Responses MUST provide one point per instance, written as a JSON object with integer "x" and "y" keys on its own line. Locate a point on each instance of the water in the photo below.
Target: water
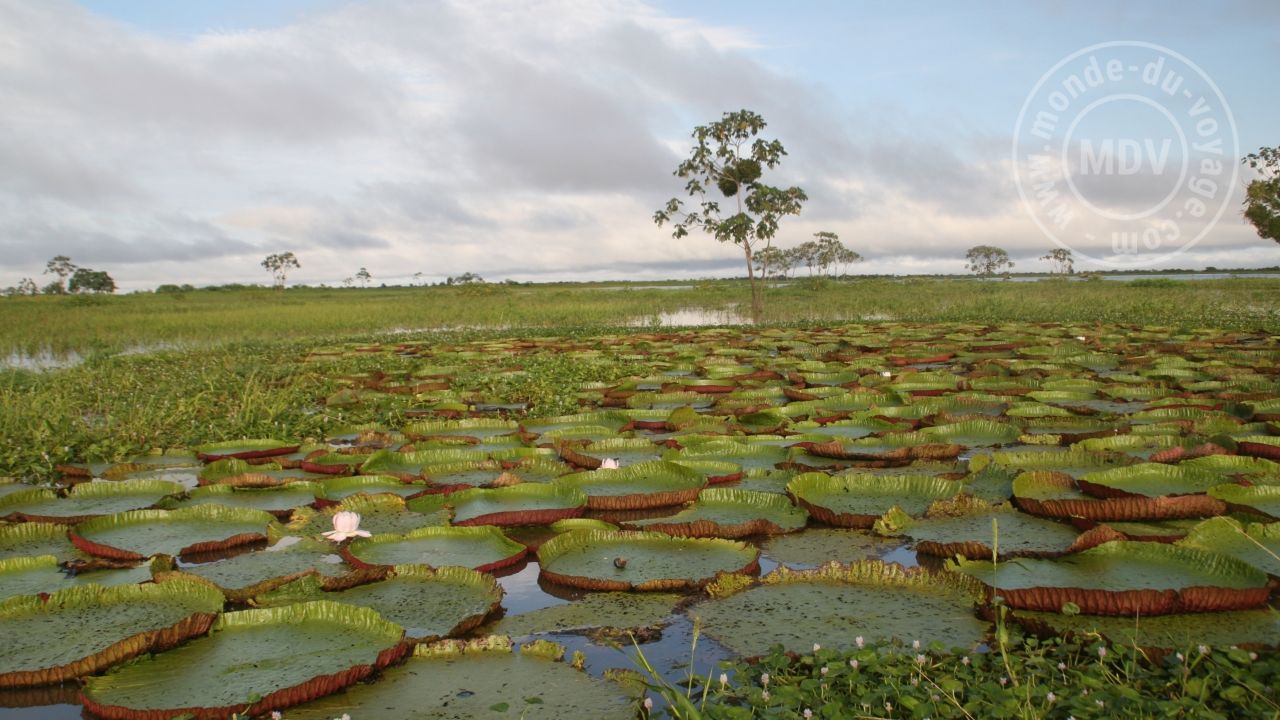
{"x": 45, "y": 359}
{"x": 692, "y": 317}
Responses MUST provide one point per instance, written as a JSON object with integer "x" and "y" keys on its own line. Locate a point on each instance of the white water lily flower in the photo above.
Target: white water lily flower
{"x": 609, "y": 464}
{"x": 346, "y": 524}
{"x": 885, "y": 373}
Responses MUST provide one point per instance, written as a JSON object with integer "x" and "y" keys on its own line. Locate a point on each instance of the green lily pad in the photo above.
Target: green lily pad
{"x": 312, "y": 649}
{"x": 31, "y": 538}
{"x": 499, "y": 684}
{"x": 648, "y": 561}
{"x": 614, "y": 611}
{"x": 1264, "y": 499}
{"x": 1126, "y": 578}
{"x": 1254, "y": 543}
{"x": 428, "y": 603}
{"x": 972, "y": 534}
{"x": 482, "y": 548}
{"x": 856, "y": 500}
{"x": 468, "y": 427}
{"x": 279, "y": 500}
{"x": 88, "y": 500}
{"x": 379, "y": 514}
{"x": 243, "y": 449}
{"x": 523, "y": 504}
{"x": 729, "y": 513}
{"x": 1185, "y": 633}
{"x": 974, "y": 433}
{"x": 636, "y": 487}
{"x": 797, "y": 609}
{"x": 245, "y": 575}
{"x": 82, "y": 630}
{"x": 138, "y": 534}
{"x": 1149, "y": 480}
{"x": 1057, "y": 495}
{"x": 819, "y": 546}
{"x": 42, "y": 574}
{"x": 340, "y": 487}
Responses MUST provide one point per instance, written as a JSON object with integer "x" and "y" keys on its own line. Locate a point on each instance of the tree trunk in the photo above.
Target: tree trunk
{"x": 757, "y": 300}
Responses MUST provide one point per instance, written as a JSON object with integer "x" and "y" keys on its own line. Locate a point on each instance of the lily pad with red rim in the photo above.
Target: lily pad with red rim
{"x": 636, "y": 487}
{"x": 647, "y": 561}
{"x": 515, "y": 505}
{"x": 483, "y": 549}
{"x": 139, "y": 534}
{"x": 312, "y": 649}
{"x": 729, "y": 513}
{"x": 87, "y": 500}
{"x": 244, "y": 449}
{"x": 857, "y": 500}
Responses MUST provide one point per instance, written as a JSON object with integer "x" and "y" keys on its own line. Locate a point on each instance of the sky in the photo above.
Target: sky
{"x": 183, "y": 142}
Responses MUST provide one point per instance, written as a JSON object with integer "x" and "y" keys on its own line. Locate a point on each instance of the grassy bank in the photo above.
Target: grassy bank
{"x": 60, "y": 325}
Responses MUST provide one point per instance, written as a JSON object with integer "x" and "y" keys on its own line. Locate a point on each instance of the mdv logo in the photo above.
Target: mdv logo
{"x": 1124, "y": 156}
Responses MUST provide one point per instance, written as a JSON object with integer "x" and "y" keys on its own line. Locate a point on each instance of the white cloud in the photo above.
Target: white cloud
{"x": 523, "y": 140}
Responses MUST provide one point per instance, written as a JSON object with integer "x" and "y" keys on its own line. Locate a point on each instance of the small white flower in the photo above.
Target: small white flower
{"x": 816, "y": 647}
{"x": 346, "y": 524}
{"x": 1004, "y": 681}
{"x": 648, "y": 703}
{"x": 1253, "y": 656}
{"x": 1081, "y": 338}
{"x": 609, "y": 464}
{"x": 808, "y": 713}
{"x": 765, "y": 696}
{"x": 1062, "y": 666}
{"x": 1100, "y": 703}
{"x": 764, "y": 679}
{"x": 858, "y": 641}
{"x": 276, "y": 715}
{"x": 1102, "y": 652}
{"x": 915, "y": 644}
{"x": 885, "y": 373}
{"x": 888, "y": 707}
{"x": 724, "y": 680}
{"x": 1051, "y": 697}
{"x": 853, "y": 664}
{"x": 1204, "y": 649}
{"x": 964, "y": 660}
{"x": 824, "y": 670}
{"x": 1179, "y": 656}
{"x": 920, "y": 659}
{"x": 915, "y": 682}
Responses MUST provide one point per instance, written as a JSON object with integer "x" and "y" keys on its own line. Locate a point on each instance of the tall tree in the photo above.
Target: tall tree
{"x": 1262, "y": 196}
{"x": 279, "y": 265}
{"x": 364, "y": 277}
{"x": 61, "y": 266}
{"x": 1060, "y": 260}
{"x": 94, "y": 281}
{"x": 729, "y": 156}
{"x": 987, "y": 260}
{"x": 771, "y": 259}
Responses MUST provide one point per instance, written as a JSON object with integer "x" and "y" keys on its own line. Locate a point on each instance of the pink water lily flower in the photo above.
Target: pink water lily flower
{"x": 346, "y": 524}
{"x": 609, "y": 464}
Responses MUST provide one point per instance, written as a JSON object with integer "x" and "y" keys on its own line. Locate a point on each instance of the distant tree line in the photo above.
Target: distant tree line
{"x": 69, "y": 278}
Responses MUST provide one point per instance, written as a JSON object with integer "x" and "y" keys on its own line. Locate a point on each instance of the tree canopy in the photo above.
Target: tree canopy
{"x": 279, "y": 265}
{"x": 987, "y": 260}
{"x": 1262, "y": 196}
{"x": 729, "y": 156}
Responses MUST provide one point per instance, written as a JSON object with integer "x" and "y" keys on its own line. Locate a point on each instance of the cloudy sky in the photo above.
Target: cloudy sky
{"x": 183, "y": 141}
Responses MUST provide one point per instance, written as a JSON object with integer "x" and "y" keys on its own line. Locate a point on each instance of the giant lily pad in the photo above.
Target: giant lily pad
{"x": 429, "y": 603}
{"x": 612, "y": 612}
{"x": 729, "y": 513}
{"x": 819, "y": 546}
{"x": 30, "y": 539}
{"x": 1254, "y": 543}
{"x": 499, "y": 685}
{"x": 245, "y": 575}
{"x": 972, "y": 533}
{"x": 648, "y": 561}
{"x": 43, "y": 574}
{"x": 138, "y": 534}
{"x": 843, "y": 606}
{"x": 1247, "y": 628}
{"x": 340, "y": 487}
{"x": 523, "y": 504}
{"x": 636, "y": 487}
{"x": 244, "y": 449}
{"x": 312, "y": 649}
{"x": 1126, "y": 578}
{"x": 974, "y": 433}
{"x": 279, "y": 501}
{"x": 1148, "y": 480}
{"x": 857, "y": 500}
{"x": 1263, "y": 499}
{"x": 1056, "y": 495}
{"x": 87, "y": 500}
{"x": 482, "y": 548}
{"x": 83, "y": 630}
{"x": 379, "y": 514}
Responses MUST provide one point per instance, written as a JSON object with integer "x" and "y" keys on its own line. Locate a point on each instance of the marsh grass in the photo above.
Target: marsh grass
{"x": 57, "y": 325}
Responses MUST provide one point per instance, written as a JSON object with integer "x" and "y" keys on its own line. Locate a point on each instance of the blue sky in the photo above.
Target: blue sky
{"x": 184, "y": 141}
